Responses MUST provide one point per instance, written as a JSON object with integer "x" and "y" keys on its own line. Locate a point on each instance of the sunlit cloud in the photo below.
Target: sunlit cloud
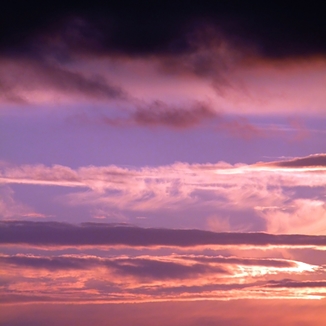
{"x": 275, "y": 192}
{"x": 147, "y": 278}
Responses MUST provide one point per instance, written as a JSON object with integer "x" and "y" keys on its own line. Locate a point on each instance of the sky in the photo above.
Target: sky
{"x": 162, "y": 162}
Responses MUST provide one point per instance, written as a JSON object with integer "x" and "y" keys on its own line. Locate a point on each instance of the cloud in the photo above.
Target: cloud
{"x": 10, "y": 208}
{"x": 278, "y": 263}
{"x": 295, "y": 284}
{"x": 290, "y": 199}
{"x": 179, "y": 116}
{"x": 35, "y": 81}
{"x": 94, "y": 234}
{"x": 114, "y": 28}
{"x": 82, "y": 278}
{"x": 302, "y": 216}
{"x": 137, "y": 267}
{"x": 160, "y": 114}
{"x": 316, "y": 160}
{"x": 239, "y": 63}
{"x": 161, "y": 267}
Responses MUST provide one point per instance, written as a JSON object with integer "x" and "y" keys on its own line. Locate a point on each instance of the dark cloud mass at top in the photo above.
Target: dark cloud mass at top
{"x": 273, "y": 28}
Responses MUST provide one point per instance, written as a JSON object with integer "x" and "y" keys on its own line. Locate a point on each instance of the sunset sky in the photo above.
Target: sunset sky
{"x": 162, "y": 163}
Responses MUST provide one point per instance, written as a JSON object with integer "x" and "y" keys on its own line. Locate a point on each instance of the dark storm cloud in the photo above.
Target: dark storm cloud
{"x": 273, "y": 28}
{"x": 94, "y": 234}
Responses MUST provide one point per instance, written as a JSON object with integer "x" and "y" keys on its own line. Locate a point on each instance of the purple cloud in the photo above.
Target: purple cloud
{"x": 94, "y": 234}
{"x": 153, "y": 268}
{"x": 159, "y": 113}
{"x": 316, "y": 160}
{"x": 286, "y": 283}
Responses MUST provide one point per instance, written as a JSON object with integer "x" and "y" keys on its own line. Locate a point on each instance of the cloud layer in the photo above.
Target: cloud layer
{"x": 94, "y": 234}
{"x": 158, "y": 73}
{"x": 287, "y": 196}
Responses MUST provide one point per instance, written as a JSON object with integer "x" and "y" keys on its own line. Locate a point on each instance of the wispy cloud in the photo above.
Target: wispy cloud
{"x": 33, "y": 82}
{"x": 160, "y": 114}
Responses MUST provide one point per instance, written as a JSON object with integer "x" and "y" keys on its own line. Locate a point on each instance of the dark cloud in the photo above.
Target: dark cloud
{"x": 274, "y": 28}
{"x": 18, "y": 298}
{"x": 161, "y": 269}
{"x": 195, "y": 113}
{"x": 50, "y": 263}
{"x": 136, "y": 267}
{"x": 159, "y": 113}
{"x": 31, "y": 75}
{"x": 94, "y": 234}
{"x": 247, "y": 261}
{"x": 168, "y": 290}
{"x": 316, "y": 160}
{"x": 153, "y": 267}
{"x": 94, "y": 86}
{"x": 286, "y": 283}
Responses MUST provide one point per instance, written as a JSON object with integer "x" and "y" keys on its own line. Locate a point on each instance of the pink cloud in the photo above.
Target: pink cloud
{"x": 262, "y": 189}
{"x": 81, "y": 278}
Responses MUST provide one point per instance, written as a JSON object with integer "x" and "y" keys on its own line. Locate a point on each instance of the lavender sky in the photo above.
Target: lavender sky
{"x": 162, "y": 163}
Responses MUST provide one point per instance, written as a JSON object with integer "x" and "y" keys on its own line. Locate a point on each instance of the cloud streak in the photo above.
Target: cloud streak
{"x": 94, "y": 234}
{"x": 38, "y": 82}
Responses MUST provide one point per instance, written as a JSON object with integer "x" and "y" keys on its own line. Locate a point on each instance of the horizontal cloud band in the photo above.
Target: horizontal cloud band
{"x": 92, "y": 234}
